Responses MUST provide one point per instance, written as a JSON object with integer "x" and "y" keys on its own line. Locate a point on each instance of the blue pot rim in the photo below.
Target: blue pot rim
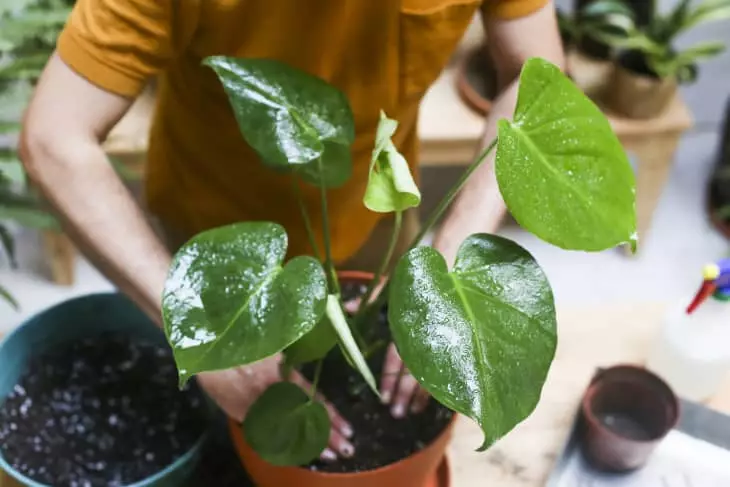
{"x": 146, "y": 482}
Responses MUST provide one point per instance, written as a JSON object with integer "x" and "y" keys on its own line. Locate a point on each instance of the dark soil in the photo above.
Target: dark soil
{"x": 104, "y": 411}
{"x": 635, "y": 61}
{"x": 380, "y": 439}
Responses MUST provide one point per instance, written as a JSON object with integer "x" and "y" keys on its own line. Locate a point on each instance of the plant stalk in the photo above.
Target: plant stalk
{"x": 440, "y": 210}
{"x": 334, "y": 283}
{"x": 315, "y": 381}
{"x": 383, "y": 265}
{"x": 305, "y": 217}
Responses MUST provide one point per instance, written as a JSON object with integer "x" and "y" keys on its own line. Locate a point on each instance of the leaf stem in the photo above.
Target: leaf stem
{"x": 305, "y": 217}
{"x": 383, "y": 265}
{"x": 443, "y": 205}
{"x": 334, "y": 283}
{"x": 315, "y": 381}
{"x": 439, "y": 211}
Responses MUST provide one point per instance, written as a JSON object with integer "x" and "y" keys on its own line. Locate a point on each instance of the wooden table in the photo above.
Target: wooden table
{"x": 588, "y": 338}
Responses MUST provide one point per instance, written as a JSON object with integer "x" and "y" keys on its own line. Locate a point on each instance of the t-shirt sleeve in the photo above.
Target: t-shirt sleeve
{"x": 512, "y": 9}
{"x": 119, "y": 44}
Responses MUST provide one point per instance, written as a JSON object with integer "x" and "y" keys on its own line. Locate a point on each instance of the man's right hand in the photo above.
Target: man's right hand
{"x": 235, "y": 390}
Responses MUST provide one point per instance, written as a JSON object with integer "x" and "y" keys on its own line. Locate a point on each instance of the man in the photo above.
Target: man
{"x": 383, "y": 54}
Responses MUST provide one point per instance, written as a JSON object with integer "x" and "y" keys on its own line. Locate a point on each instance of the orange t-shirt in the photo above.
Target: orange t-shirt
{"x": 382, "y": 54}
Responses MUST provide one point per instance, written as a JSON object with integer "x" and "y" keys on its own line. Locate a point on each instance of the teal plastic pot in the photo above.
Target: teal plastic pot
{"x": 76, "y": 319}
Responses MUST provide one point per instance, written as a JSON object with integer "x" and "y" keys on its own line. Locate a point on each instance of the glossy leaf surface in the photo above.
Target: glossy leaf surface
{"x": 480, "y": 338}
{"x": 313, "y": 346}
{"x": 561, "y": 170}
{"x": 347, "y": 341}
{"x": 390, "y": 184}
{"x": 291, "y": 118}
{"x": 285, "y": 427}
{"x": 229, "y": 300}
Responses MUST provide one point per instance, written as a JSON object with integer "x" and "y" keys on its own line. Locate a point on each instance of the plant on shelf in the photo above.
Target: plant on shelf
{"x": 582, "y": 28}
{"x": 650, "y": 52}
{"x": 479, "y": 337}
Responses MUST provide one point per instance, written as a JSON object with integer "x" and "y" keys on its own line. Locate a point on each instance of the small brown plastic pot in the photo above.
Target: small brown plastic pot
{"x": 426, "y": 468}
{"x": 626, "y": 411}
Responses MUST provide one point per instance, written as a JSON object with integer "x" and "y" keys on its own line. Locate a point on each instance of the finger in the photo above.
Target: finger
{"x": 406, "y": 389}
{"x": 328, "y": 456}
{"x": 340, "y": 445}
{"x": 391, "y": 370}
{"x": 352, "y": 305}
{"x": 420, "y": 400}
{"x": 338, "y": 422}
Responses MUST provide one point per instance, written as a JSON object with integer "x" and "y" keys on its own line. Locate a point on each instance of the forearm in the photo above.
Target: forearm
{"x": 101, "y": 216}
{"x": 479, "y": 206}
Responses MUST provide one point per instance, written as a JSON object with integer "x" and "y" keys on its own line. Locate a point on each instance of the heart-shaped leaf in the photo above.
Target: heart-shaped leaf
{"x": 347, "y": 341}
{"x": 312, "y": 346}
{"x": 229, "y": 300}
{"x": 390, "y": 183}
{"x": 481, "y": 338}
{"x": 285, "y": 427}
{"x": 292, "y": 119}
{"x": 561, "y": 170}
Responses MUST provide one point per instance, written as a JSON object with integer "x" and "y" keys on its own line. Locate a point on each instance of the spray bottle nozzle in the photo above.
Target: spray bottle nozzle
{"x": 716, "y": 281}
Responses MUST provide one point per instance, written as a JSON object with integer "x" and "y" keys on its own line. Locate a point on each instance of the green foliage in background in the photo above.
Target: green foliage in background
{"x": 656, "y": 42}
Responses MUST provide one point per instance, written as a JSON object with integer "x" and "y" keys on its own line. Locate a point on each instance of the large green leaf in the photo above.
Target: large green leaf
{"x": 390, "y": 183}
{"x": 347, "y": 341}
{"x": 562, "y": 171}
{"x": 292, "y": 119}
{"x": 481, "y": 338}
{"x": 285, "y": 427}
{"x": 312, "y": 346}
{"x": 229, "y": 300}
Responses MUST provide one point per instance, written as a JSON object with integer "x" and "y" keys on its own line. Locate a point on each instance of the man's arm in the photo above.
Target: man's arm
{"x": 479, "y": 206}
{"x": 66, "y": 122}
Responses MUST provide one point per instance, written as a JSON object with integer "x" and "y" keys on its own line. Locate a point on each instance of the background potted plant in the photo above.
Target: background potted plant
{"x": 650, "y": 66}
{"x": 28, "y": 33}
{"x": 479, "y": 337}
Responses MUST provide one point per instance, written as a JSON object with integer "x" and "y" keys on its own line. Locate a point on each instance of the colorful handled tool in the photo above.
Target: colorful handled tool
{"x": 716, "y": 283}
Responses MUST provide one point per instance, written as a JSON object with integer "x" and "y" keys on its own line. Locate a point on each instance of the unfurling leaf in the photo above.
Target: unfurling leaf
{"x": 229, "y": 300}
{"x": 347, "y": 341}
{"x": 285, "y": 427}
{"x": 480, "y": 338}
{"x": 293, "y": 120}
{"x": 561, "y": 170}
{"x": 390, "y": 185}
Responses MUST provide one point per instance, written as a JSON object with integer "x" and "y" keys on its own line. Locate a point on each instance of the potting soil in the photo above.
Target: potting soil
{"x": 104, "y": 411}
{"x": 379, "y": 438}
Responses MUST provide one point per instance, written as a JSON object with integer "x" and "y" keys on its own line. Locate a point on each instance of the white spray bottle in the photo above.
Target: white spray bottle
{"x": 692, "y": 352}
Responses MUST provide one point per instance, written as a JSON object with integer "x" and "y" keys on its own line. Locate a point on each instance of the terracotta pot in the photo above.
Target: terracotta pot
{"x": 626, "y": 412}
{"x": 425, "y": 468}
{"x": 639, "y": 96}
{"x": 476, "y": 80}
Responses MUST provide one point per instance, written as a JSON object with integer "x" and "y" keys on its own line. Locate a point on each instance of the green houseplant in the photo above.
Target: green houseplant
{"x": 479, "y": 337}
{"x": 650, "y": 65}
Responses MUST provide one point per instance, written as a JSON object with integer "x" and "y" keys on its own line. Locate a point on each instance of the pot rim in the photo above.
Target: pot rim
{"x": 189, "y": 455}
{"x": 236, "y": 432}
{"x": 473, "y": 100}
{"x": 590, "y": 393}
